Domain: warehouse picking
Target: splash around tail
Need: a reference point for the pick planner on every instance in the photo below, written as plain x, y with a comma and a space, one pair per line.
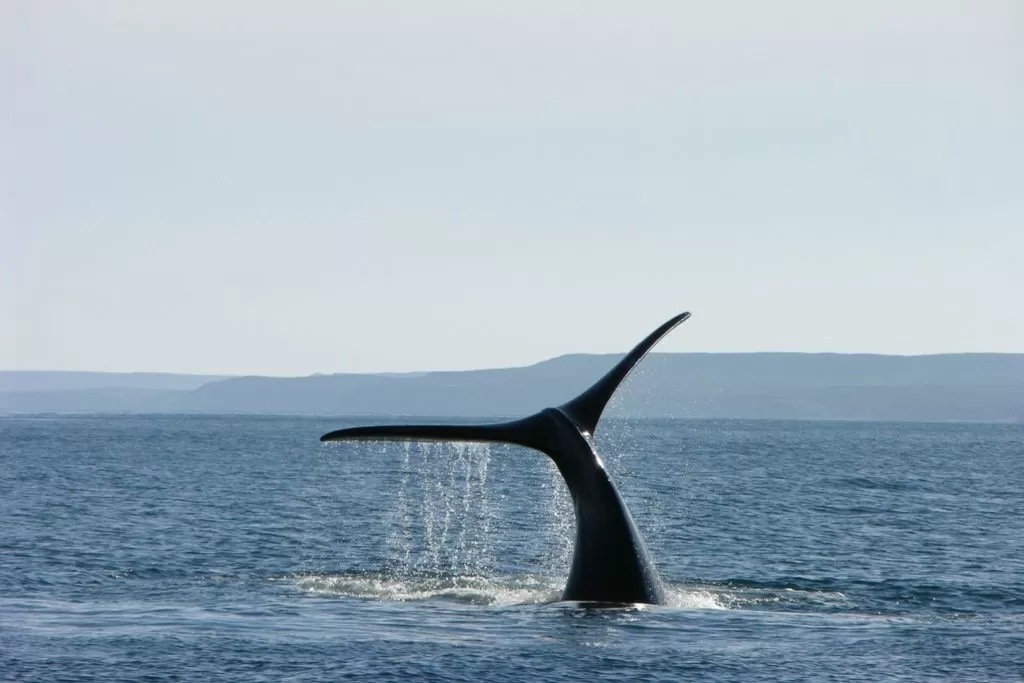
610, 563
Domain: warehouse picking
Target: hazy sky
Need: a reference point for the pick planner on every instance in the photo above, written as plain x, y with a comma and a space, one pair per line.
297, 187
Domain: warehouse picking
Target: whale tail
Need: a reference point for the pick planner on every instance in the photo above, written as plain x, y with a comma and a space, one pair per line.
584, 411
610, 561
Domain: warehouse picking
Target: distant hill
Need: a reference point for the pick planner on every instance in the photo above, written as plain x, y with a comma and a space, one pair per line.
35, 391
742, 385
56, 380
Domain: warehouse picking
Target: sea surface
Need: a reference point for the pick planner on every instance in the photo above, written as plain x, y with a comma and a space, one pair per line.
181, 548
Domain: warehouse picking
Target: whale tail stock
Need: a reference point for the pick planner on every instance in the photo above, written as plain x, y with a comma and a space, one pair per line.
584, 412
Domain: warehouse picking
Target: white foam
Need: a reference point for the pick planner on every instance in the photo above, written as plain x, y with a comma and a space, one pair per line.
695, 598
474, 590
480, 590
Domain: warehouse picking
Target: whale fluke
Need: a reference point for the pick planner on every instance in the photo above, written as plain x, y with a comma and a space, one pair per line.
610, 560
516, 432
585, 410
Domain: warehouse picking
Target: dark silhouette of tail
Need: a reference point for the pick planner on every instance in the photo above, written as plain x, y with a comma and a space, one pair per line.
584, 411
610, 562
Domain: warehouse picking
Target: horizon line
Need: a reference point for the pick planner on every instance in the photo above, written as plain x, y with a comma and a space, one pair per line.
402, 373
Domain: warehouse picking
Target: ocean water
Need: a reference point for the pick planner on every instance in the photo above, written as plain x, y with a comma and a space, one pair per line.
239, 548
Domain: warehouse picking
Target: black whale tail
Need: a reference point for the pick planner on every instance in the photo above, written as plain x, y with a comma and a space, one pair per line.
610, 560
584, 411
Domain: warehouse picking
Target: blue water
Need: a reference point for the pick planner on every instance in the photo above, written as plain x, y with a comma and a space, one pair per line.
238, 548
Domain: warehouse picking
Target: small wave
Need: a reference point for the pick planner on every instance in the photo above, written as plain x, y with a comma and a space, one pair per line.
742, 594
891, 596
691, 597
483, 590
502, 591
877, 484
471, 590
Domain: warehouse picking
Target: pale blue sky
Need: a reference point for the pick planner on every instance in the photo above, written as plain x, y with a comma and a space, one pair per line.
287, 188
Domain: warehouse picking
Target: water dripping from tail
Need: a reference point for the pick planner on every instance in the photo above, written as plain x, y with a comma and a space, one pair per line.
440, 523
438, 513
